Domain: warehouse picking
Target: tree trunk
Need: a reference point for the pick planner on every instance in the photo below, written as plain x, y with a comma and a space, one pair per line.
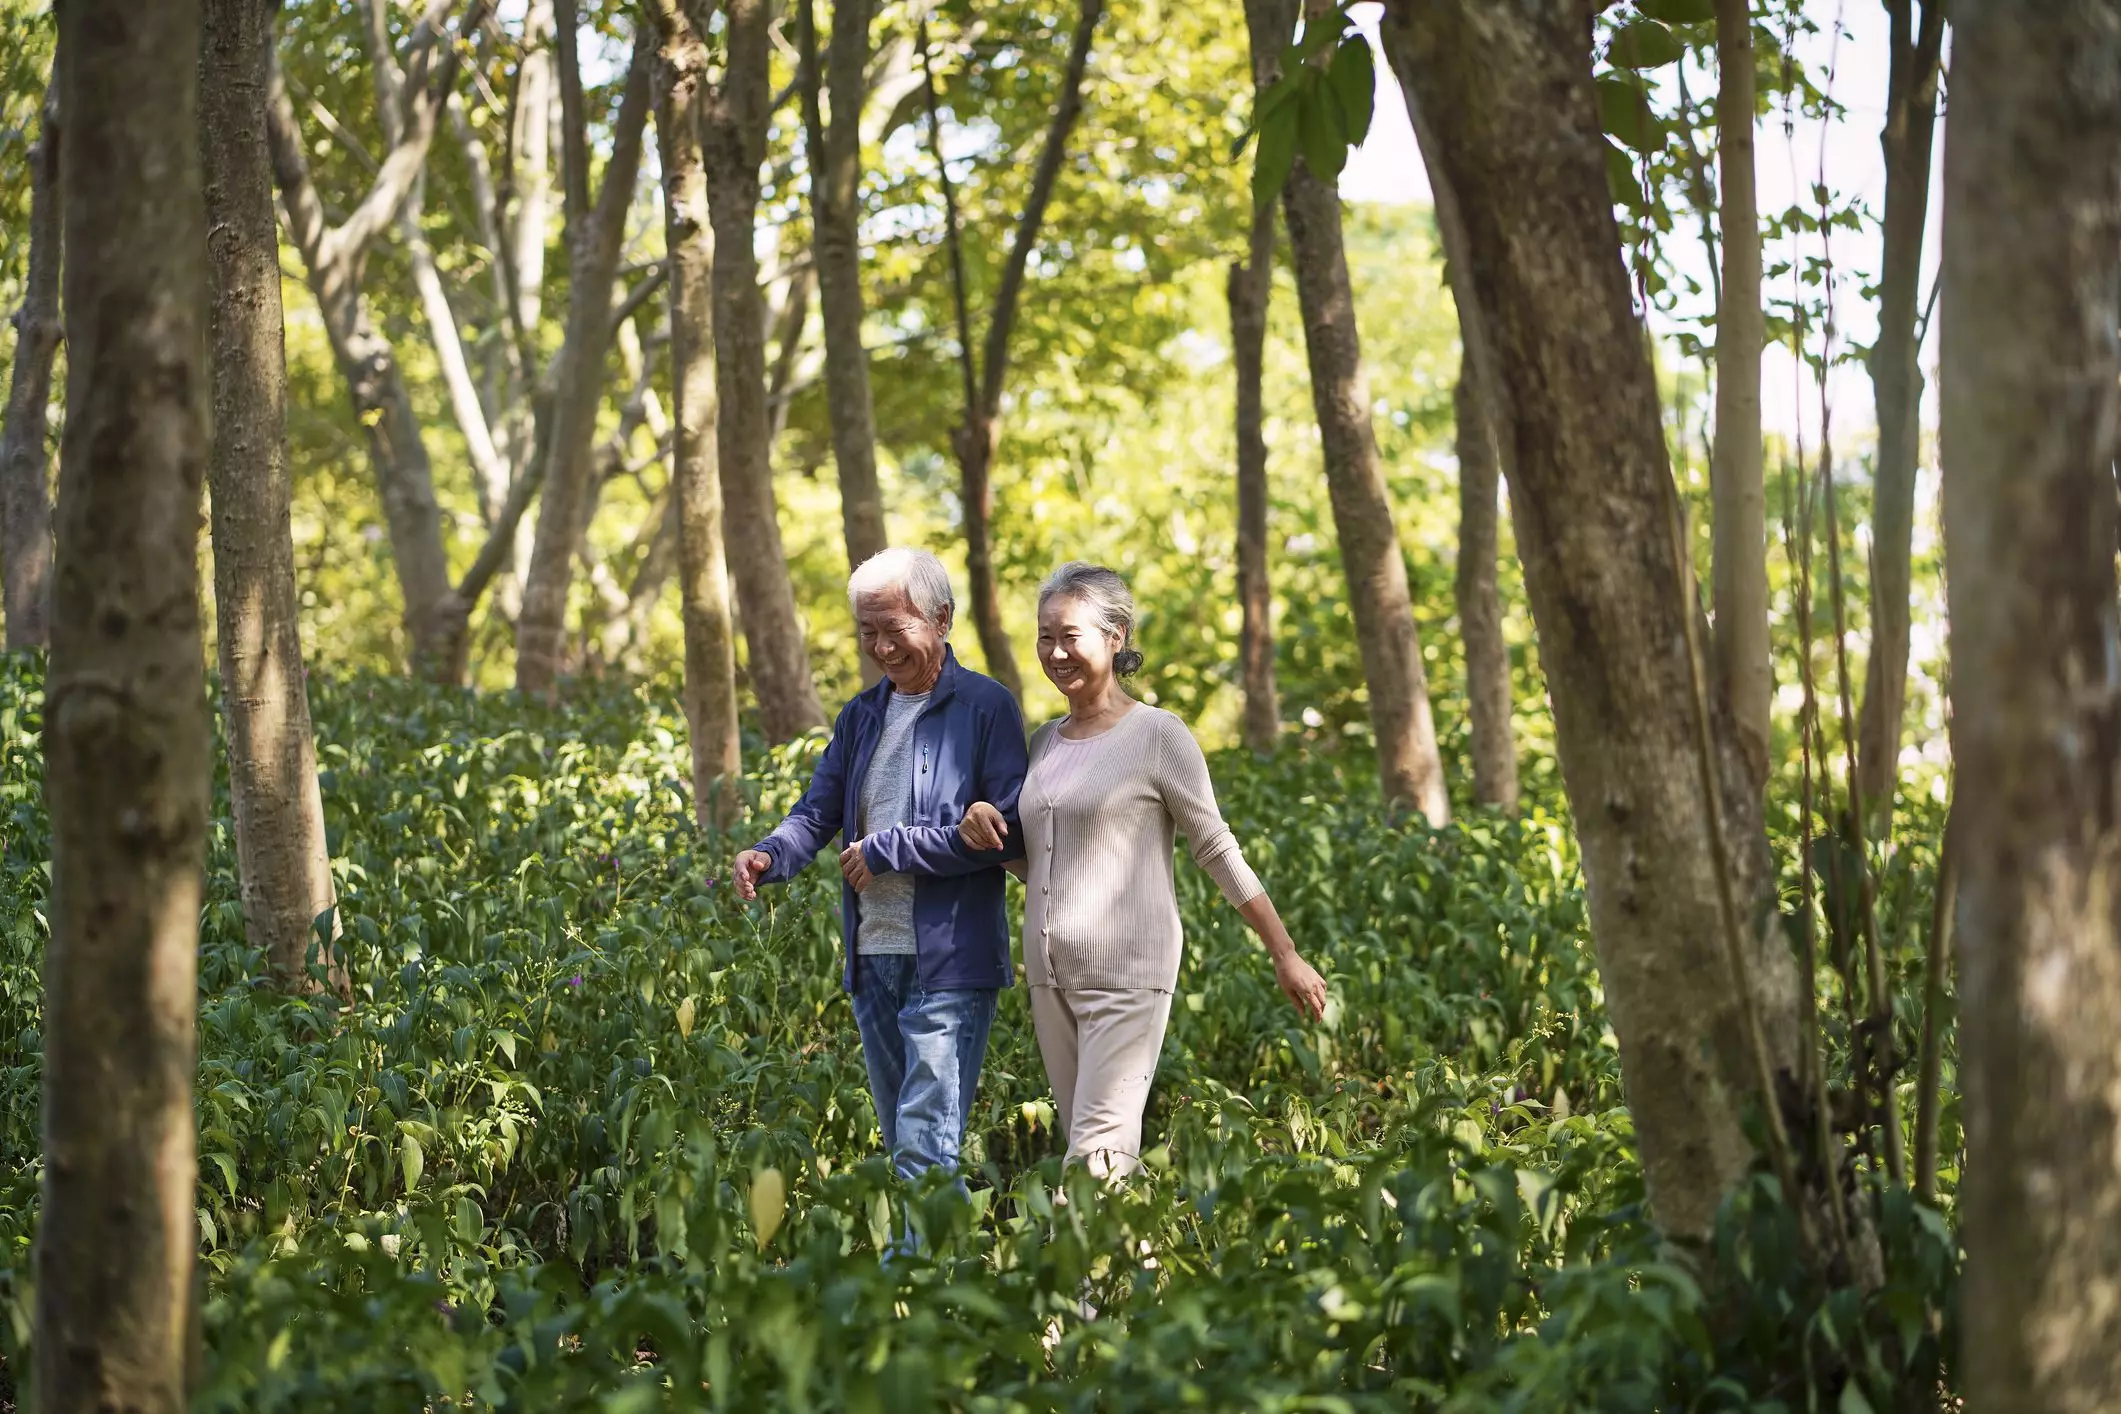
383, 406
595, 240
25, 493
1745, 670
1896, 381
1703, 998
126, 741
281, 857
2032, 264
1250, 286
835, 202
703, 573
733, 144
1480, 601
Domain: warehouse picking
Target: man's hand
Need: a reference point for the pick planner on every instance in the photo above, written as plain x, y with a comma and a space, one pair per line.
854, 867
751, 865
983, 827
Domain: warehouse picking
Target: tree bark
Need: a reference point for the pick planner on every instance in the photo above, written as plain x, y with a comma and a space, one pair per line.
835, 149
281, 857
976, 439
1896, 382
1700, 984
2032, 265
25, 494
1251, 285
703, 573
595, 240
733, 117
1745, 670
126, 739
436, 614
1480, 601
1410, 766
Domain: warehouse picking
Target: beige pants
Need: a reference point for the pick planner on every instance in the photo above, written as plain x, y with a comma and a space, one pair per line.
1100, 1047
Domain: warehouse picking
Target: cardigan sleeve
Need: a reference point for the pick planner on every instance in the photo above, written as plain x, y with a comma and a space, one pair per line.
1189, 796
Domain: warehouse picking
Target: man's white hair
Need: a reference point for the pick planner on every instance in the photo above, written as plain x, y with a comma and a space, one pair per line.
915, 573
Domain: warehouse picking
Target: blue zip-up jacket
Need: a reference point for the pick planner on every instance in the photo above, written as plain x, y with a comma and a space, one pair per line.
968, 745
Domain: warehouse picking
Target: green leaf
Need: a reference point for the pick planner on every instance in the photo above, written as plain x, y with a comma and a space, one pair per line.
1625, 114
1679, 12
1276, 156
1353, 82
1319, 135
1644, 44
1620, 180
411, 1160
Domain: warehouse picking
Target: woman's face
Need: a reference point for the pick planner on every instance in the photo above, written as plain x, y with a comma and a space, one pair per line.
1074, 649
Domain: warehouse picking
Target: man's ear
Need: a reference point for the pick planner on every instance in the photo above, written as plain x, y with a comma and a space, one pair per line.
949, 620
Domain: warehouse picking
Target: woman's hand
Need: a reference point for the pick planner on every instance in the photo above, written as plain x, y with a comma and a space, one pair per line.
1301, 984
983, 827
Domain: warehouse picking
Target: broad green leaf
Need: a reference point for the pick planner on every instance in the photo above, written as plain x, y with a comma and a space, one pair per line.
1353, 82
769, 1204
411, 1160
1276, 156
1319, 136
1625, 114
1644, 44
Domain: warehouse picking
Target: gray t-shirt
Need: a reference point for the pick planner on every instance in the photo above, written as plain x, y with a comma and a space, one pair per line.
887, 800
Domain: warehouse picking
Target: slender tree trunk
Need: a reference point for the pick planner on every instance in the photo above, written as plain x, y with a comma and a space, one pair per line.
1409, 764
835, 202
733, 144
703, 573
1703, 997
1251, 285
1480, 601
25, 494
281, 856
1896, 381
126, 741
595, 241
1745, 671
2032, 266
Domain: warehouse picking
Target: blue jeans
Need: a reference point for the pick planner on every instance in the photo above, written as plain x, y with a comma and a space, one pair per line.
923, 1050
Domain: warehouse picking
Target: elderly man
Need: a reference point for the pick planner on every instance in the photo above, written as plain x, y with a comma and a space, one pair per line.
923, 915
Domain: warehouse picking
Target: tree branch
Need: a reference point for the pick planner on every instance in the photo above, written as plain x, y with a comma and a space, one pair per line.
951, 232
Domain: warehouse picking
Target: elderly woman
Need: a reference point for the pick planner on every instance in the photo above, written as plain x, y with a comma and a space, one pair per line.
1110, 784
924, 915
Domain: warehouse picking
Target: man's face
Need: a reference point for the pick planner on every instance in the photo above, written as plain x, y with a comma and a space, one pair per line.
900, 641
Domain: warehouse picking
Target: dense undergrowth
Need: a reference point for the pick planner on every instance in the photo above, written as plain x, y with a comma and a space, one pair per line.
595, 1135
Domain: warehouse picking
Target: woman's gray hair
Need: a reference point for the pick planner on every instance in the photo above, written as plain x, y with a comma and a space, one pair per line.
1106, 596
915, 573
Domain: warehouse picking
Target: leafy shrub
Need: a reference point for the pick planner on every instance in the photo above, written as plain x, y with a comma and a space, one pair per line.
593, 1134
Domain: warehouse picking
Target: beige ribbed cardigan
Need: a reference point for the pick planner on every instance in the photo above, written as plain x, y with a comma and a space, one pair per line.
1101, 907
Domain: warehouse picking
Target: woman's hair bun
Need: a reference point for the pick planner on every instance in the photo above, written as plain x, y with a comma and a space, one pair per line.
1127, 662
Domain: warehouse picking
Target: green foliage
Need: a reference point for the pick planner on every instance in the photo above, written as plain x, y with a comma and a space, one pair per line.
594, 1135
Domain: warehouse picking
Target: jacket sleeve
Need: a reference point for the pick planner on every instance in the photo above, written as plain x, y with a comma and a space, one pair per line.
937, 849
816, 817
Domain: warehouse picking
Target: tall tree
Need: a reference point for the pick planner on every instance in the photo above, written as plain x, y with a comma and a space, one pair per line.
703, 573
126, 741
732, 125
1745, 671
1409, 763
595, 238
334, 257
281, 857
25, 494
978, 436
834, 144
1704, 998
1896, 382
1250, 291
1480, 599
2032, 266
